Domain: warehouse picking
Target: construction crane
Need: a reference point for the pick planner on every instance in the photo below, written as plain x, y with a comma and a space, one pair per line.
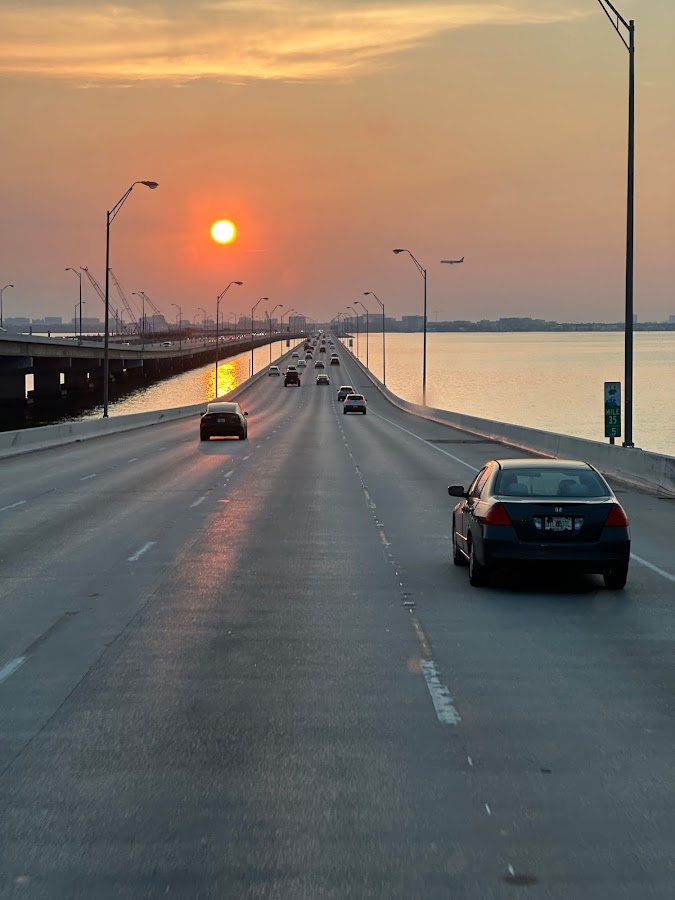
115, 313
132, 328
153, 306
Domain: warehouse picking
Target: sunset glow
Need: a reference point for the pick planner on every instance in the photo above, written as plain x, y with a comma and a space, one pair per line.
223, 231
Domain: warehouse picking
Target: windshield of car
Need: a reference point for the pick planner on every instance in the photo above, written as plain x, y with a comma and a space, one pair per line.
355, 397
549, 482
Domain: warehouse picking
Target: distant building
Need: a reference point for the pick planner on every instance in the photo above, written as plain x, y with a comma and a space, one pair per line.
53, 320
412, 323
671, 320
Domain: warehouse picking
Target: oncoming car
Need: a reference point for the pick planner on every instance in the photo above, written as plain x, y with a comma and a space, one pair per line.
552, 512
223, 419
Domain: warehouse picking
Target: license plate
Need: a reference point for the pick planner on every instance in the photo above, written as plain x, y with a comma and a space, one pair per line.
558, 523
222, 421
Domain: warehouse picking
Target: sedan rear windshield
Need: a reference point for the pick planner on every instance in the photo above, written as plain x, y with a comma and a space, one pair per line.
549, 482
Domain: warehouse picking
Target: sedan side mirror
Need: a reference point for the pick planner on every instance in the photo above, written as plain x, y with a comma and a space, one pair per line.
456, 490
245, 413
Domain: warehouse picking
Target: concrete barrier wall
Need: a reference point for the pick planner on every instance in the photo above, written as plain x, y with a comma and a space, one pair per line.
652, 472
639, 468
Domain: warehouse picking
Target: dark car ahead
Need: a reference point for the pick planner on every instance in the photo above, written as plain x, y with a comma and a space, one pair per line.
343, 391
223, 419
557, 512
292, 378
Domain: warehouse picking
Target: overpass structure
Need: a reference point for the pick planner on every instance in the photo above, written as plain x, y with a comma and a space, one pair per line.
81, 364
250, 669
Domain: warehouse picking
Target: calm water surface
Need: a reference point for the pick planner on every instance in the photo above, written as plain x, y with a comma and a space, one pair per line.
546, 380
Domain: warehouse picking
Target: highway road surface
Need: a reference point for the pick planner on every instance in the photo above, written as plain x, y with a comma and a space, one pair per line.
249, 669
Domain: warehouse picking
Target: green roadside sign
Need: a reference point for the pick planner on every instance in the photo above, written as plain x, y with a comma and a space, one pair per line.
612, 409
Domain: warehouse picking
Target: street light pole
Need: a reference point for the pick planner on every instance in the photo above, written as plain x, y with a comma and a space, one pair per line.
201, 309
356, 316
367, 332
384, 346
79, 278
2, 291
180, 326
218, 299
629, 44
269, 315
423, 273
252, 312
141, 294
110, 215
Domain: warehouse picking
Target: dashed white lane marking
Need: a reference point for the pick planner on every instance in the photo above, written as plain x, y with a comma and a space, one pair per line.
643, 562
227, 474
12, 505
487, 809
470, 761
139, 553
11, 667
160, 448
244, 458
440, 695
418, 438
197, 502
87, 477
133, 459
512, 871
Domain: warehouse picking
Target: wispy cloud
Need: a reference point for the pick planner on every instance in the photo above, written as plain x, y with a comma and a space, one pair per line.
240, 39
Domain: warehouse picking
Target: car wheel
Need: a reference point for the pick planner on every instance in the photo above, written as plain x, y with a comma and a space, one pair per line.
364, 412
478, 574
615, 578
243, 436
457, 556
203, 437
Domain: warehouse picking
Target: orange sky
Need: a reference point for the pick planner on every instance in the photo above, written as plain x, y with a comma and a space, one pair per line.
331, 132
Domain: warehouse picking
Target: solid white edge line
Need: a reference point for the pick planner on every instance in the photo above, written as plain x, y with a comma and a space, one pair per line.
12, 505
433, 446
139, 553
440, 695
197, 502
11, 667
661, 572
638, 559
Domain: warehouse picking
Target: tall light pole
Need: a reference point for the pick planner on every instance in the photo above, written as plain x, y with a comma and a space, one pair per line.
2, 291
423, 273
218, 299
252, 312
180, 326
201, 309
356, 317
384, 346
79, 278
141, 294
363, 306
269, 315
629, 28
110, 215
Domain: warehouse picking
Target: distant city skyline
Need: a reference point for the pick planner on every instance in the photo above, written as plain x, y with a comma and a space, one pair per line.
331, 132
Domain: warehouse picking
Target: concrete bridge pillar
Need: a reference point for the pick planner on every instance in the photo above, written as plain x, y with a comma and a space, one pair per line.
13, 389
76, 380
46, 384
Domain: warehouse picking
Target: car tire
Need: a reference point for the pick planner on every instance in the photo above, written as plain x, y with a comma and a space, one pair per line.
243, 436
458, 557
615, 577
478, 574
364, 412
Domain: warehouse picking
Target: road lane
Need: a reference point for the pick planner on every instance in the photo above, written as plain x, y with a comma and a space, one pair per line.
245, 709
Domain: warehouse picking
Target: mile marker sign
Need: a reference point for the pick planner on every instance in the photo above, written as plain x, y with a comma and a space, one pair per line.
612, 409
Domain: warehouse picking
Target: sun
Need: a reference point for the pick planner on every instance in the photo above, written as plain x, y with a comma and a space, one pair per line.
223, 231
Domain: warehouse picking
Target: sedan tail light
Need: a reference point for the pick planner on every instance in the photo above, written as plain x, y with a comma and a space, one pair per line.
617, 518
497, 515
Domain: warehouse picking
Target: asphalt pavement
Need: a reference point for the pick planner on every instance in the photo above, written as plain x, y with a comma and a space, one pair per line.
249, 669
